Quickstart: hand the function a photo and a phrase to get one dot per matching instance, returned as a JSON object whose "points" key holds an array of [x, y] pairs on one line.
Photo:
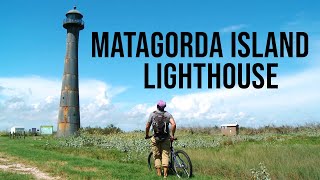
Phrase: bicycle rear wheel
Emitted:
{"points": [[182, 164]]}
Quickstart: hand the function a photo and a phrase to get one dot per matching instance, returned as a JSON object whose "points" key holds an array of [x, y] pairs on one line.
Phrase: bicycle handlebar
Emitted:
{"points": [[148, 137], [152, 136]]}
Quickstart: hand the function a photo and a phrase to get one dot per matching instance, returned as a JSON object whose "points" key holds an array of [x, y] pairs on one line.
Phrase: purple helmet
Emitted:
{"points": [[161, 104]]}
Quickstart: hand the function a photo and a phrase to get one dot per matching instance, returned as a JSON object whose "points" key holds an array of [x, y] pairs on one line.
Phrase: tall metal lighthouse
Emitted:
{"points": [[69, 114]]}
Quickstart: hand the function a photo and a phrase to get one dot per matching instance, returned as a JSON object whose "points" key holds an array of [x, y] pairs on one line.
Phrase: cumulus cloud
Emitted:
{"points": [[294, 103], [34, 101]]}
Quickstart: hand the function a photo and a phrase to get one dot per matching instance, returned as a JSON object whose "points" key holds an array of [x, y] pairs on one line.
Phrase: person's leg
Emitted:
{"points": [[165, 156], [156, 155]]}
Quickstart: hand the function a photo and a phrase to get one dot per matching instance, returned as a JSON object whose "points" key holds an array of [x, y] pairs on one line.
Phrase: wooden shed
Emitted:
{"points": [[230, 129]]}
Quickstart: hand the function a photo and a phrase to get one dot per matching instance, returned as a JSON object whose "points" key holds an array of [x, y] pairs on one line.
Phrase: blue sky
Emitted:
{"points": [[32, 50]]}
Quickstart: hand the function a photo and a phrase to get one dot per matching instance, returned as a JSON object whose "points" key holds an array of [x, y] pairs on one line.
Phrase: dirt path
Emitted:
{"points": [[6, 164]]}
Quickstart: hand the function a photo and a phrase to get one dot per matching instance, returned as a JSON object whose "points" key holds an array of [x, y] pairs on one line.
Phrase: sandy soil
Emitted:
{"points": [[9, 165]]}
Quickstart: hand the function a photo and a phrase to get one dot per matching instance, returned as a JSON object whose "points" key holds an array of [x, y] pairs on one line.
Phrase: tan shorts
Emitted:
{"points": [[160, 152]]}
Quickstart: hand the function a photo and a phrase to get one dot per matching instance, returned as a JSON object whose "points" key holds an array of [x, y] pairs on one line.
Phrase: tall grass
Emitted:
{"points": [[283, 161], [270, 129], [288, 153]]}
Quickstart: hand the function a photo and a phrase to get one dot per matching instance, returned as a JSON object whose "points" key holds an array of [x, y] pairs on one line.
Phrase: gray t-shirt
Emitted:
{"points": [[166, 114]]}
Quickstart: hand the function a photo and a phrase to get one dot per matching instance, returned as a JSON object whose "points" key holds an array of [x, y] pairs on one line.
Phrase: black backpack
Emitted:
{"points": [[160, 126]]}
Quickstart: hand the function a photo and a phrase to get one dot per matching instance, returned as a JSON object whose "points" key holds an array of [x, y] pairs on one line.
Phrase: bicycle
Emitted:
{"points": [[179, 162]]}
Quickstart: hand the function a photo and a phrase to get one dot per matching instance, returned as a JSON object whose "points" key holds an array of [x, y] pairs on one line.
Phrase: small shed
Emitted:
{"points": [[46, 130], [34, 130], [230, 129], [17, 130]]}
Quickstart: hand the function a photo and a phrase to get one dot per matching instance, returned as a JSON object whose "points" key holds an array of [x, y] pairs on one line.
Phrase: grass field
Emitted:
{"points": [[14, 176], [281, 154]]}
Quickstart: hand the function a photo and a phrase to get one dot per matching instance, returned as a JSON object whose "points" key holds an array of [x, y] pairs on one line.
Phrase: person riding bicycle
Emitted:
{"points": [[160, 141]]}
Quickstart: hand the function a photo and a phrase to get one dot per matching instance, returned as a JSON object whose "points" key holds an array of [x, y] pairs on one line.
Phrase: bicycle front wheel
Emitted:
{"points": [[150, 161], [182, 164]]}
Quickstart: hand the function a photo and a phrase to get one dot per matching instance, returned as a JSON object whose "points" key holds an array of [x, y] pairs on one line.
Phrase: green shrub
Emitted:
{"points": [[4, 133], [110, 129]]}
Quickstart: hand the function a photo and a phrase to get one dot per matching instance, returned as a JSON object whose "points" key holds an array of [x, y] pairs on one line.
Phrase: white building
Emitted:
{"points": [[17, 129]]}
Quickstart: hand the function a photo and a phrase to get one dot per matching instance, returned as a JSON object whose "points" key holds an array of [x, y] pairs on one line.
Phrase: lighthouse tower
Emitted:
{"points": [[69, 114]]}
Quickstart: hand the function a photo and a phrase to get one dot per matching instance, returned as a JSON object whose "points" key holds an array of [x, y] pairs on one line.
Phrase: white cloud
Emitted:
{"points": [[34, 101], [233, 28], [295, 102]]}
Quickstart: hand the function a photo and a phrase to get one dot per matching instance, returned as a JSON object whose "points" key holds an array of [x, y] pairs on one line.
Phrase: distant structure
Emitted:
{"points": [[230, 129], [46, 130], [17, 129], [69, 114], [17, 132], [33, 131]]}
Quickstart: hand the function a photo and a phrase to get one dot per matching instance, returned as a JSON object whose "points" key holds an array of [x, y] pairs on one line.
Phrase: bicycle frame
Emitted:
{"points": [[172, 156]]}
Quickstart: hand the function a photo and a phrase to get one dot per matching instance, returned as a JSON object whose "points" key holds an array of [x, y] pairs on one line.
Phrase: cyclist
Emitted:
{"points": [[160, 141]]}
